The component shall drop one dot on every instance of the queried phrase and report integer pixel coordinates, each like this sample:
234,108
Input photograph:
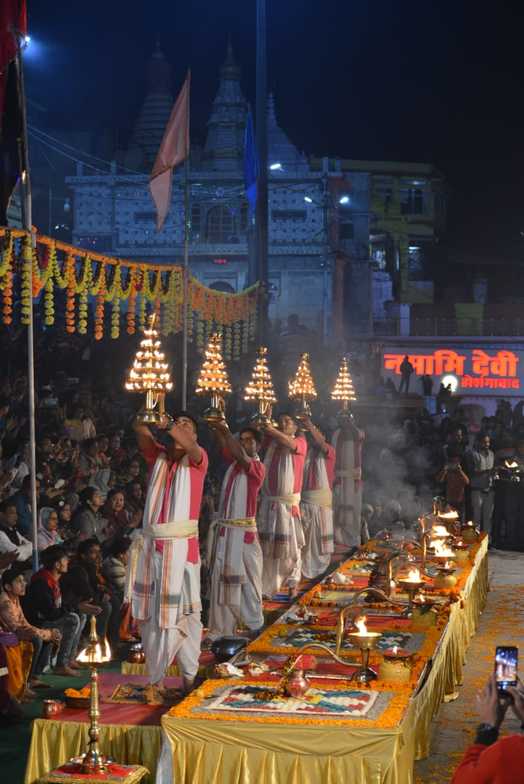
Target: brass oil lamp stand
93,760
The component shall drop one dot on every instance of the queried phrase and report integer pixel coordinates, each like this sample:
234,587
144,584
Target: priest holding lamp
165,560
278,519
234,553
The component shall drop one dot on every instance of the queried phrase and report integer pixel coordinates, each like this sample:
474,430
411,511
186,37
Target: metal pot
296,685
226,647
136,654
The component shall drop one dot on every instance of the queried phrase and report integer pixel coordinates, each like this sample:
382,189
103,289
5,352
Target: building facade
323,221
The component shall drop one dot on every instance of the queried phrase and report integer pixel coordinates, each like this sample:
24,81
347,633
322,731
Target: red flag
173,150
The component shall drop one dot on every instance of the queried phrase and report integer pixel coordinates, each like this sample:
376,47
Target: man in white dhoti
347,489
316,503
165,560
278,519
235,555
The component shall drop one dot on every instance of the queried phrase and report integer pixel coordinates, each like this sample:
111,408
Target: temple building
335,255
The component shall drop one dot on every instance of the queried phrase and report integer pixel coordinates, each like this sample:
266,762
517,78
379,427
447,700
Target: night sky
426,80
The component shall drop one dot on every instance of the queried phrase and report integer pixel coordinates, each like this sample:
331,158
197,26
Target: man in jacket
43,607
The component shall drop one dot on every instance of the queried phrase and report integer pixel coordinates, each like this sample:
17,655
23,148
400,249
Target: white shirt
25,549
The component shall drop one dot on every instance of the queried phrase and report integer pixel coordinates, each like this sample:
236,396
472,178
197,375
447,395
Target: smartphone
506,666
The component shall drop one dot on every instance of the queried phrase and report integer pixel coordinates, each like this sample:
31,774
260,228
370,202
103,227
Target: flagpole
187,228
261,224
27,221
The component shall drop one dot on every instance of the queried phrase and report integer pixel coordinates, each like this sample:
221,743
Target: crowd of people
127,514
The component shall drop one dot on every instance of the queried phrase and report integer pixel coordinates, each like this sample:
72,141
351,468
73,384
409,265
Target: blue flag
251,165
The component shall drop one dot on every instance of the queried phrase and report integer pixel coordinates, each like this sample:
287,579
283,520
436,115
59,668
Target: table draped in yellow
244,752
204,751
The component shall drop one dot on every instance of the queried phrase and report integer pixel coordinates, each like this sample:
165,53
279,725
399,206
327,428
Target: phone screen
506,666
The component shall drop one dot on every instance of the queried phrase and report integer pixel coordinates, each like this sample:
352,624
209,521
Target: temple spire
225,136
153,117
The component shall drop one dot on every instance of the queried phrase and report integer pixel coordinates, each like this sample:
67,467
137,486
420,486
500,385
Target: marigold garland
129,284
389,718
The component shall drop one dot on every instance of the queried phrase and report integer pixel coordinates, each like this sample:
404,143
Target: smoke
398,471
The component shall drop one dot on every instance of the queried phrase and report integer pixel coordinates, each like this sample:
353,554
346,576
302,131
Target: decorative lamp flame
260,388
449,515
213,378
302,387
343,389
414,576
442,550
439,532
513,464
360,623
150,375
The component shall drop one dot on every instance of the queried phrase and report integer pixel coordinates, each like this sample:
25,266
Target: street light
308,199
276,167
344,200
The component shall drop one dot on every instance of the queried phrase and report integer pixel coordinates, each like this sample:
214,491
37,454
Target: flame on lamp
449,515
414,576
513,464
97,655
442,550
439,531
360,623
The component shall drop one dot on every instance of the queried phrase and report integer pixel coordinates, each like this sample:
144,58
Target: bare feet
66,671
154,694
36,683
28,695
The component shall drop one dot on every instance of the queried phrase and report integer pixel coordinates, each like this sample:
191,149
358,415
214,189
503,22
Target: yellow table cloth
54,741
205,751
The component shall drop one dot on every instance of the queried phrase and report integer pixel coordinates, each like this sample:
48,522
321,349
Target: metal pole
187,229
50,211
261,225
27,220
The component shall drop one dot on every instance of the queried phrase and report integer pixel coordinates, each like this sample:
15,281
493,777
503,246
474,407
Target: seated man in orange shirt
12,619
490,760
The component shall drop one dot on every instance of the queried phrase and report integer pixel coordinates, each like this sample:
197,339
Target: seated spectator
114,571
93,467
79,427
12,619
65,513
43,608
11,540
133,472
48,528
490,760
20,466
114,566
88,522
135,498
117,454
22,502
116,515
84,582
